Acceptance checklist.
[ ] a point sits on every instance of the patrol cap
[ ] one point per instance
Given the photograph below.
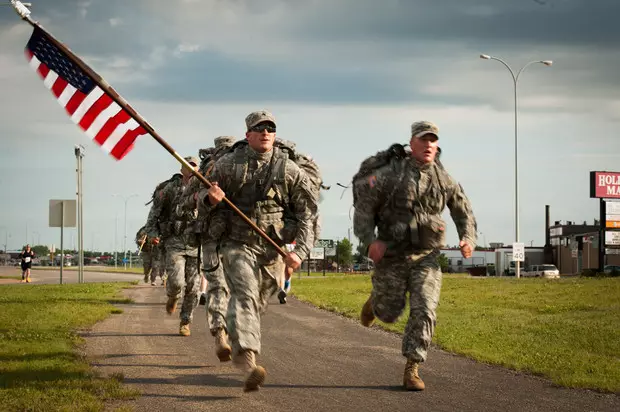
(419, 129)
(192, 159)
(255, 118)
(224, 141)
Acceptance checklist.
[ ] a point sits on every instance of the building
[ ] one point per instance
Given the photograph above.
(574, 247)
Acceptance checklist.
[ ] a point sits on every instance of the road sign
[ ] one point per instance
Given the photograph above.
(56, 209)
(327, 243)
(518, 252)
(317, 253)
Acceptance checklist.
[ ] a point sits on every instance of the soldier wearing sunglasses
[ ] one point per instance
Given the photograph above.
(262, 182)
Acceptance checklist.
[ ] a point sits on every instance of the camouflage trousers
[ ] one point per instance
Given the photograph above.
(392, 279)
(157, 263)
(183, 273)
(217, 296)
(147, 264)
(252, 281)
(153, 264)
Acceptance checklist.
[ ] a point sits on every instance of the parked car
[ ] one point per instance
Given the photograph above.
(542, 271)
(609, 269)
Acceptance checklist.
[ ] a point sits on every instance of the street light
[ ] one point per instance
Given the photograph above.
(515, 80)
(7, 235)
(484, 239)
(38, 238)
(126, 198)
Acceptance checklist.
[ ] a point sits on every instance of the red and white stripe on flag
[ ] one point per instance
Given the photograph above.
(100, 117)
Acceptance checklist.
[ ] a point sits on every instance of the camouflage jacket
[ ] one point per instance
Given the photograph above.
(169, 221)
(261, 200)
(404, 201)
(147, 245)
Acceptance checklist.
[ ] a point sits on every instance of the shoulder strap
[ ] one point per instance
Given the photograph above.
(240, 169)
(277, 174)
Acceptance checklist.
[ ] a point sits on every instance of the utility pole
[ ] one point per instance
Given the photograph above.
(115, 237)
(79, 155)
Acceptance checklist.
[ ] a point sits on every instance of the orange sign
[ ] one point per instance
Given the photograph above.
(612, 224)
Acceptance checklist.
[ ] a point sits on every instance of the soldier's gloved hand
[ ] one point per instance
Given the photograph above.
(215, 194)
(292, 260)
(376, 250)
(465, 249)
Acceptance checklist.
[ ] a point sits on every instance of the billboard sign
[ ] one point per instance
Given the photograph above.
(612, 214)
(605, 185)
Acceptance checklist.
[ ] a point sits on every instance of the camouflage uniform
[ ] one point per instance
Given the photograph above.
(175, 226)
(212, 229)
(261, 185)
(405, 199)
(142, 242)
(152, 261)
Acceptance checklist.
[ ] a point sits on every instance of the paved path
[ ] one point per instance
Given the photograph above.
(47, 277)
(315, 361)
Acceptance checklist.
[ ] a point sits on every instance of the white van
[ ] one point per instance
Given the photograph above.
(542, 271)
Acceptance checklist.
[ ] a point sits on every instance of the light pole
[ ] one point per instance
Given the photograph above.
(126, 198)
(38, 238)
(7, 235)
(515, 80)
(484, 239)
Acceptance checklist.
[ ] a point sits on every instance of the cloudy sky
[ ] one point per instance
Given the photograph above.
(344, 79)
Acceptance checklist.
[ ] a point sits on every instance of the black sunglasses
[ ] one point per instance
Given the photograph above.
(270, 127)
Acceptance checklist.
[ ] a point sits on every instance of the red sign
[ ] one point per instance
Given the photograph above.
(605, 185)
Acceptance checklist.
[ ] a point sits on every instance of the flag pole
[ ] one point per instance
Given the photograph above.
(24, 13)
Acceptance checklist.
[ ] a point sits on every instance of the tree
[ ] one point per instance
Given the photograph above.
(40, 250)
(345, 252)
(444, 262)
(360, 253)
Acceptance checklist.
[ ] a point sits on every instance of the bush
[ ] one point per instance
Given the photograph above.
(594, 273)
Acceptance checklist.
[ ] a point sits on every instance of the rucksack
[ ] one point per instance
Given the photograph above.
(373, 163)
(395, 152)
(162, 185)
(305, 163)
(206, 155)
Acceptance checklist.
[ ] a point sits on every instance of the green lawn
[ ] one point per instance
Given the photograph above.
(567, 330)
(40, 369)
(111, 269)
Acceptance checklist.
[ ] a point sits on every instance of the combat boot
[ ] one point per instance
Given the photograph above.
(246, 360)
(367, 316)
(184, 329)
(222, 348)
(282, 296)
(171, 305)
(411, 379)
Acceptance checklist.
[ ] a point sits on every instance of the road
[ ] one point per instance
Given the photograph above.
(47, 277)
(315, 361)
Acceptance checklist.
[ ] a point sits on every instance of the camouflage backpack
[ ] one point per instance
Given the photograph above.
(371, 164)
(206, 155)
(305, 163)
(163, 184)
(395, 152)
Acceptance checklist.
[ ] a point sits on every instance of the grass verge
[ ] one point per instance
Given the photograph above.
(567, 330)
(108, 269)
(40, 369)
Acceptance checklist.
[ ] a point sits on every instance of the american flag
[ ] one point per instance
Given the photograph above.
(91, 108)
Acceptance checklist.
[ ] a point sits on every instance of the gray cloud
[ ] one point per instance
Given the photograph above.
(345, 52)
